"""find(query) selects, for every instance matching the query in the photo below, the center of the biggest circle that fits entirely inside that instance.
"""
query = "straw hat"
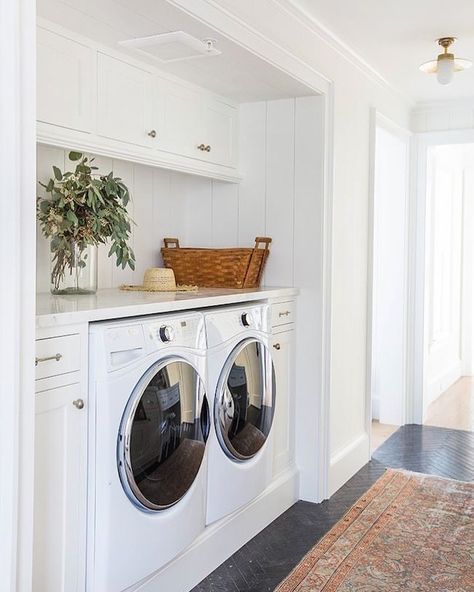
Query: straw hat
(159, 279)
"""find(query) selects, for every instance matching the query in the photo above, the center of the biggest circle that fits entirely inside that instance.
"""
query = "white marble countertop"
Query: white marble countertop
(56, 311)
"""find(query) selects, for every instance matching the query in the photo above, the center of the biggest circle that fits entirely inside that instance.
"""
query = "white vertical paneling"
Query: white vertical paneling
(280, 180)
(307, 275)
(146, 241)
(225, 214)
(165, 205)
(252, 161)
(196, 211)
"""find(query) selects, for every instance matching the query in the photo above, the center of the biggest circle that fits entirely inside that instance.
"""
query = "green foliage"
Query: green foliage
(83, 208)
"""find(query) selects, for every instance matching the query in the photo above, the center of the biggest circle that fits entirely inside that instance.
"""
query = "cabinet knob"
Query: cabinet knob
(202, 147)
(207, 148)
(152, 134)
(78, 404)
(277, 346)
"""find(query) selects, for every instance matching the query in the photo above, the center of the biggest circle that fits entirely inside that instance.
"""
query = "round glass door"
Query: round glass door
(245, 400)
(163, 435)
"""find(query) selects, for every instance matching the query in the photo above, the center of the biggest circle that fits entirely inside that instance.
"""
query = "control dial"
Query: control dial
(166, 333)
(246, 319)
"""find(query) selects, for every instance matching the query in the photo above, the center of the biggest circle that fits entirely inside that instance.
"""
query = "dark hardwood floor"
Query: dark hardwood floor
(266, 559)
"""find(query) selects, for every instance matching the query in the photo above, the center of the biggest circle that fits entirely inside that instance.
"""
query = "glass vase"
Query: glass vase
(74, 269)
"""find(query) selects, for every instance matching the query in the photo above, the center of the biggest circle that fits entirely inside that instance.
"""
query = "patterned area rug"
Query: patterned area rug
(409, 532)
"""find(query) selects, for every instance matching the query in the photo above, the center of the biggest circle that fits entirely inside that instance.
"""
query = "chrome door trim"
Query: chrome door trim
(269, 385)
(123, 441)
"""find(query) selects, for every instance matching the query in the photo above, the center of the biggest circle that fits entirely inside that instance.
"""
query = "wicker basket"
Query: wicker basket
(217, 268)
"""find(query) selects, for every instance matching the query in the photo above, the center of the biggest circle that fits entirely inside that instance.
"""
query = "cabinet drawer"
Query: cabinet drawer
(57, 355)
(283, 313)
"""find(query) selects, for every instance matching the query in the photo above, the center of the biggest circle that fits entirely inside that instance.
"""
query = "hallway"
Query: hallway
(454, 409)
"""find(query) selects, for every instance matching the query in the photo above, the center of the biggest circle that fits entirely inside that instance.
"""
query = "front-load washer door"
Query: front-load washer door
(245, 400)
(163, 435)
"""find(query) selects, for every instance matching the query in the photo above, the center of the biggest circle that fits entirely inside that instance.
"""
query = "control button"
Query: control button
(246, 319)
(166, 333)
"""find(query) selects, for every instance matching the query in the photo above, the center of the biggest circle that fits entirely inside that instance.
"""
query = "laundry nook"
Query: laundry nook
(237, 342)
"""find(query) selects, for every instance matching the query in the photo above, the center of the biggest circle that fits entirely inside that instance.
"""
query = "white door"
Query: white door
(64, 91)
(283, 425)
(444, 234)
(390, 268)
(60, 491)
(220, 135)
(124, 102)
(181, 127)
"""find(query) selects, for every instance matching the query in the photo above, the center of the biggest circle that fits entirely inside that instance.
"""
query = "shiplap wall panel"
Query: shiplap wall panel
(204, 213)
(225, 214)
(280, 183)
(252, 190)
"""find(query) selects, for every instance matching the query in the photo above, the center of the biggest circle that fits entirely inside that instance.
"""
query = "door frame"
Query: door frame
(423, 141)
(17, 303)
(379, 120)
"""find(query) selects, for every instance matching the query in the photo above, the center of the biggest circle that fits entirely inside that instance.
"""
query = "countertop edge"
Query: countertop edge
(94, 314)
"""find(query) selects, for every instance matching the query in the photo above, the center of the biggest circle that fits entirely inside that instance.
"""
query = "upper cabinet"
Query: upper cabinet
(65, 75)
(124, 101)
(96, 101)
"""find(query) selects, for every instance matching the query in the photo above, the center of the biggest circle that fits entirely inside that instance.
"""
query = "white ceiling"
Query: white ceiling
(236, 73)
(395, 37)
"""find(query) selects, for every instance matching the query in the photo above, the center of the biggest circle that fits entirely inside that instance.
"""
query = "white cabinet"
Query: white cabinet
(283, 435)
(124, 102)
(65, 82)
(60, 489)
(219, 134)
(130, 112)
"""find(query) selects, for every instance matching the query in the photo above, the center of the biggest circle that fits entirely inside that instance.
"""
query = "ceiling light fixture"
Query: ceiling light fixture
(446, 64)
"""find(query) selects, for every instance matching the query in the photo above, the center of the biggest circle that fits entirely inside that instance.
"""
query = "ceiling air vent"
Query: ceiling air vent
(173, 47)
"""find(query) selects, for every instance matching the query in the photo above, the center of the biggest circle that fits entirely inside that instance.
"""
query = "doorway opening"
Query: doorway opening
(386, 375)
(448, 386)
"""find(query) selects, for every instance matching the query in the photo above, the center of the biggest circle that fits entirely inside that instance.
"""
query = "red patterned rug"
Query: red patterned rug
(410, 532)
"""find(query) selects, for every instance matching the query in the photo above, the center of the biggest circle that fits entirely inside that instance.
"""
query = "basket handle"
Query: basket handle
(171, 243)
(266, 240)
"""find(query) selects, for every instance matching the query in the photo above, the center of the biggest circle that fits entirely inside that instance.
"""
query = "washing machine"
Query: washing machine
(241, 386)
(148, 445)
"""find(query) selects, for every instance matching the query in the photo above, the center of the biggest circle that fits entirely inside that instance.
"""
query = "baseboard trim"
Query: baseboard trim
(347, 461)
(215, 545)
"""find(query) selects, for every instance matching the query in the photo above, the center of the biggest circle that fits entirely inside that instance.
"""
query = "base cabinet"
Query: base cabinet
(60, 490)
(283, 437)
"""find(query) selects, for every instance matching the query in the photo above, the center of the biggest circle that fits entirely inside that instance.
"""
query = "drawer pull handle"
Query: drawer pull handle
(207, 148)
(78, 404)
(152, 134)
(56, 357)
(202, 147)
(284, 314)
(277, 346)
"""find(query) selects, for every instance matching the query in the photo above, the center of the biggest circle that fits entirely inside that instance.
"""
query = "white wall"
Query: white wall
(390, 277)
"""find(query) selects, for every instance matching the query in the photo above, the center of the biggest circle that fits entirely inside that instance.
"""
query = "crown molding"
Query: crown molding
(466, 103)
(293, 8)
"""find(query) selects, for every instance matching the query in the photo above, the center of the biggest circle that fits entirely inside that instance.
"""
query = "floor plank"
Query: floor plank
(454, 408)
(265, 560)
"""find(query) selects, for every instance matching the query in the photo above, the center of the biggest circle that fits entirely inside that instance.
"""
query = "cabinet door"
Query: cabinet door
(124, 102)
(60, 491)
(283, 436)
(220, 121)
(181, 120)
(65, 81)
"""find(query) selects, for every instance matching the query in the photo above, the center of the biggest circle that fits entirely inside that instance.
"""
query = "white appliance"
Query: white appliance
(148, 434)
(241, 385)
